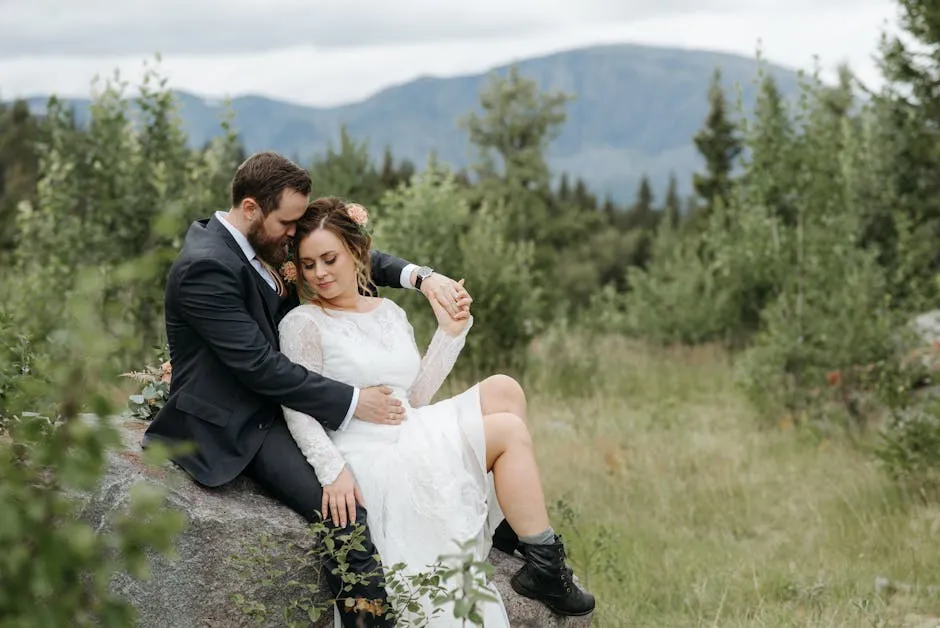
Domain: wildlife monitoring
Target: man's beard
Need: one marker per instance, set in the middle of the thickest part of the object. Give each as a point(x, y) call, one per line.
point(270, 250)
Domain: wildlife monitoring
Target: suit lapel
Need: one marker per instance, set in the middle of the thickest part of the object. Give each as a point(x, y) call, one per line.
point(268, 296)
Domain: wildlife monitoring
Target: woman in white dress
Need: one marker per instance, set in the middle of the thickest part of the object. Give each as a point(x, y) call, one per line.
point(433, 475)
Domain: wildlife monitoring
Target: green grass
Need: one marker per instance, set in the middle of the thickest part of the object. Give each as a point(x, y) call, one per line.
point(687, 513)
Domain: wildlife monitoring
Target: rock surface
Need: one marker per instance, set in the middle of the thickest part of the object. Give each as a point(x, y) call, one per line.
point(195, 590)
point(927, 327)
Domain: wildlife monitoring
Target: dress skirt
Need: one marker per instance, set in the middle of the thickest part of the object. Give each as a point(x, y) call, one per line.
point(427, 491)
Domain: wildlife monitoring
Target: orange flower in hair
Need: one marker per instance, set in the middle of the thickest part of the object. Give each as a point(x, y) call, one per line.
point(358, 214)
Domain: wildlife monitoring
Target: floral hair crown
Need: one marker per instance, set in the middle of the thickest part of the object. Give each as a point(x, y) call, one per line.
point(356, 212)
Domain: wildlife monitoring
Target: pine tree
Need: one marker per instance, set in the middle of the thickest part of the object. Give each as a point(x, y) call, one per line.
point(671, 211)
point(564, 189)
point(910, 106)
point(609, 210)
point(19, 167)
point(406, 170)
point(512, 135)
point(347, 172)
point(641, 214)
point(719, 144)
point(582, 197)
point(770, 171)
point(389, 175)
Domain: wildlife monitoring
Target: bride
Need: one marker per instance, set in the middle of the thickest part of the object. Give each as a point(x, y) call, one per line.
point(437, 475)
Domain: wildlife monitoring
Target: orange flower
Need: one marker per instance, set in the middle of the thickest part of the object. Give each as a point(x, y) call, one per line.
point(358, 214)
point(166, 371)
point(833, 378)
point(373, 607)
point(289, 272)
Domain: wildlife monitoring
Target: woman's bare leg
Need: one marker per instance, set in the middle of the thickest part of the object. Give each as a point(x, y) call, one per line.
point(501, 393)
point(510, 457)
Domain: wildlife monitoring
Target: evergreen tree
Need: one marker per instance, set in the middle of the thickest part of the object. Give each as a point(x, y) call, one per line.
point(19, 167)
point(642, 215)
point(909, 109)
point(512, 135)
point(609, 210)
point(770, 170)
point(564, 189)
point(391, 176)
point(641, 221)
point(582, 198)
point(388, 175)
point(347, 172)
point(462, 177)
point(719, 144)
point(671, 210)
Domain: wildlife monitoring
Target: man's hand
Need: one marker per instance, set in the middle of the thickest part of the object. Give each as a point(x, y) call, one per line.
point(340, 498)
point(449, 294)
point(376, 405)
point(450, 325)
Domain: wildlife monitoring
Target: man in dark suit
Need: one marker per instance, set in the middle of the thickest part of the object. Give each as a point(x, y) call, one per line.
point(223, 303)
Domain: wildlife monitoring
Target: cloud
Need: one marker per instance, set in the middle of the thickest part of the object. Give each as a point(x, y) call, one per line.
point(323, 75)
point(104, 27)
point(178, 27)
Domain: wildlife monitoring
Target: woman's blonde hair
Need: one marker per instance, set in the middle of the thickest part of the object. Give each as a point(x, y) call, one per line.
point(332, 213)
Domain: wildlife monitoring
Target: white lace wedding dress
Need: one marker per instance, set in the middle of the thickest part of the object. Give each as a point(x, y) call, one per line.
point(424, 482)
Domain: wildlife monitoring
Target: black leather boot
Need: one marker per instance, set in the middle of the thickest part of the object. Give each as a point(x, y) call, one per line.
point(505, 538)
point(547, 578)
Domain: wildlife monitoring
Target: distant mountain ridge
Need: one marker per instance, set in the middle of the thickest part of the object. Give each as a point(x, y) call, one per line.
point(636, 110)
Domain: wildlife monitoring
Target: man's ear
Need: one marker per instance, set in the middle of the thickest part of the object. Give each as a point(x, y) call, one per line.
point(250, 208)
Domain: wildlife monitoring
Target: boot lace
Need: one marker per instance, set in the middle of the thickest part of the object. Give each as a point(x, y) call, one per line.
point(565, 569)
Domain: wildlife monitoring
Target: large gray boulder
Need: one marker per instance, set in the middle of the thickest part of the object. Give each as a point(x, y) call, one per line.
point(196, 589)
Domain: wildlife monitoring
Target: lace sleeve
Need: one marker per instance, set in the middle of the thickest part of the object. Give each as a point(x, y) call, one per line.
point(300, 342)
point(436, 364)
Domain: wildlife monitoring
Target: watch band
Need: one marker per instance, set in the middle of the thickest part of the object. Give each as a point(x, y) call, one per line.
point(423, 272)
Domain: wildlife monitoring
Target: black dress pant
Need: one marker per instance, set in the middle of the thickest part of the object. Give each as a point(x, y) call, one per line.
point(280, 468)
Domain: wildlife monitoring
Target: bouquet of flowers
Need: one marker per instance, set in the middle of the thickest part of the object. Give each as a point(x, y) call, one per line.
point(156, 380)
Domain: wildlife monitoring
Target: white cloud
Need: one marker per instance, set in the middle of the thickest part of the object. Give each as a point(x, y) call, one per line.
point(293, 68)
point(93, 27)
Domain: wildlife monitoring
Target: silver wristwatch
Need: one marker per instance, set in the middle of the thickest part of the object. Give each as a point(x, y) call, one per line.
point(423, 273)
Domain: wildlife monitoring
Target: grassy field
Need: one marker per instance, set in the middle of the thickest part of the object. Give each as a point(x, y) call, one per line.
point(681, 511)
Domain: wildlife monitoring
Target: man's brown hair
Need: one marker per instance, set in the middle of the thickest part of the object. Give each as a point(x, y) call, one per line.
point(264, 177)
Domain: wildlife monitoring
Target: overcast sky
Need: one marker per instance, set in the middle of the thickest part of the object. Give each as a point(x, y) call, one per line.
point(326, 52)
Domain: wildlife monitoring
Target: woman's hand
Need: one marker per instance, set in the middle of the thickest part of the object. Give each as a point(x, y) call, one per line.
point(449, 294)
point(450, 325)
point(340, 498)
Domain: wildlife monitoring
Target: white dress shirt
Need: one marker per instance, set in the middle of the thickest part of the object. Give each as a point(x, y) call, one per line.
point(249, 252)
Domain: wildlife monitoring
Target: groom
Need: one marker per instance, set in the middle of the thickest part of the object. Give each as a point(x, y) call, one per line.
point(223, 303)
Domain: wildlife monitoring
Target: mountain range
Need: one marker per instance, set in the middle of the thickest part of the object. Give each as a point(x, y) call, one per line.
point(635, 111)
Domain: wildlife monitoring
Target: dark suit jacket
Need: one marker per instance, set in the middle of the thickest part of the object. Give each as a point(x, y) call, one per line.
point(229, 377)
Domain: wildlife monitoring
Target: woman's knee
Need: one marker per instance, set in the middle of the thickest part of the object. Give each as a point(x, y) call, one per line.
point(504, 394)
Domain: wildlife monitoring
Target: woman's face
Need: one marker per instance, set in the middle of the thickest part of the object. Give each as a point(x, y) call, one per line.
point(327, 265)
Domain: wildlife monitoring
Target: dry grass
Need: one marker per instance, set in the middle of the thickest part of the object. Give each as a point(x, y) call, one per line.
point(708, 519)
